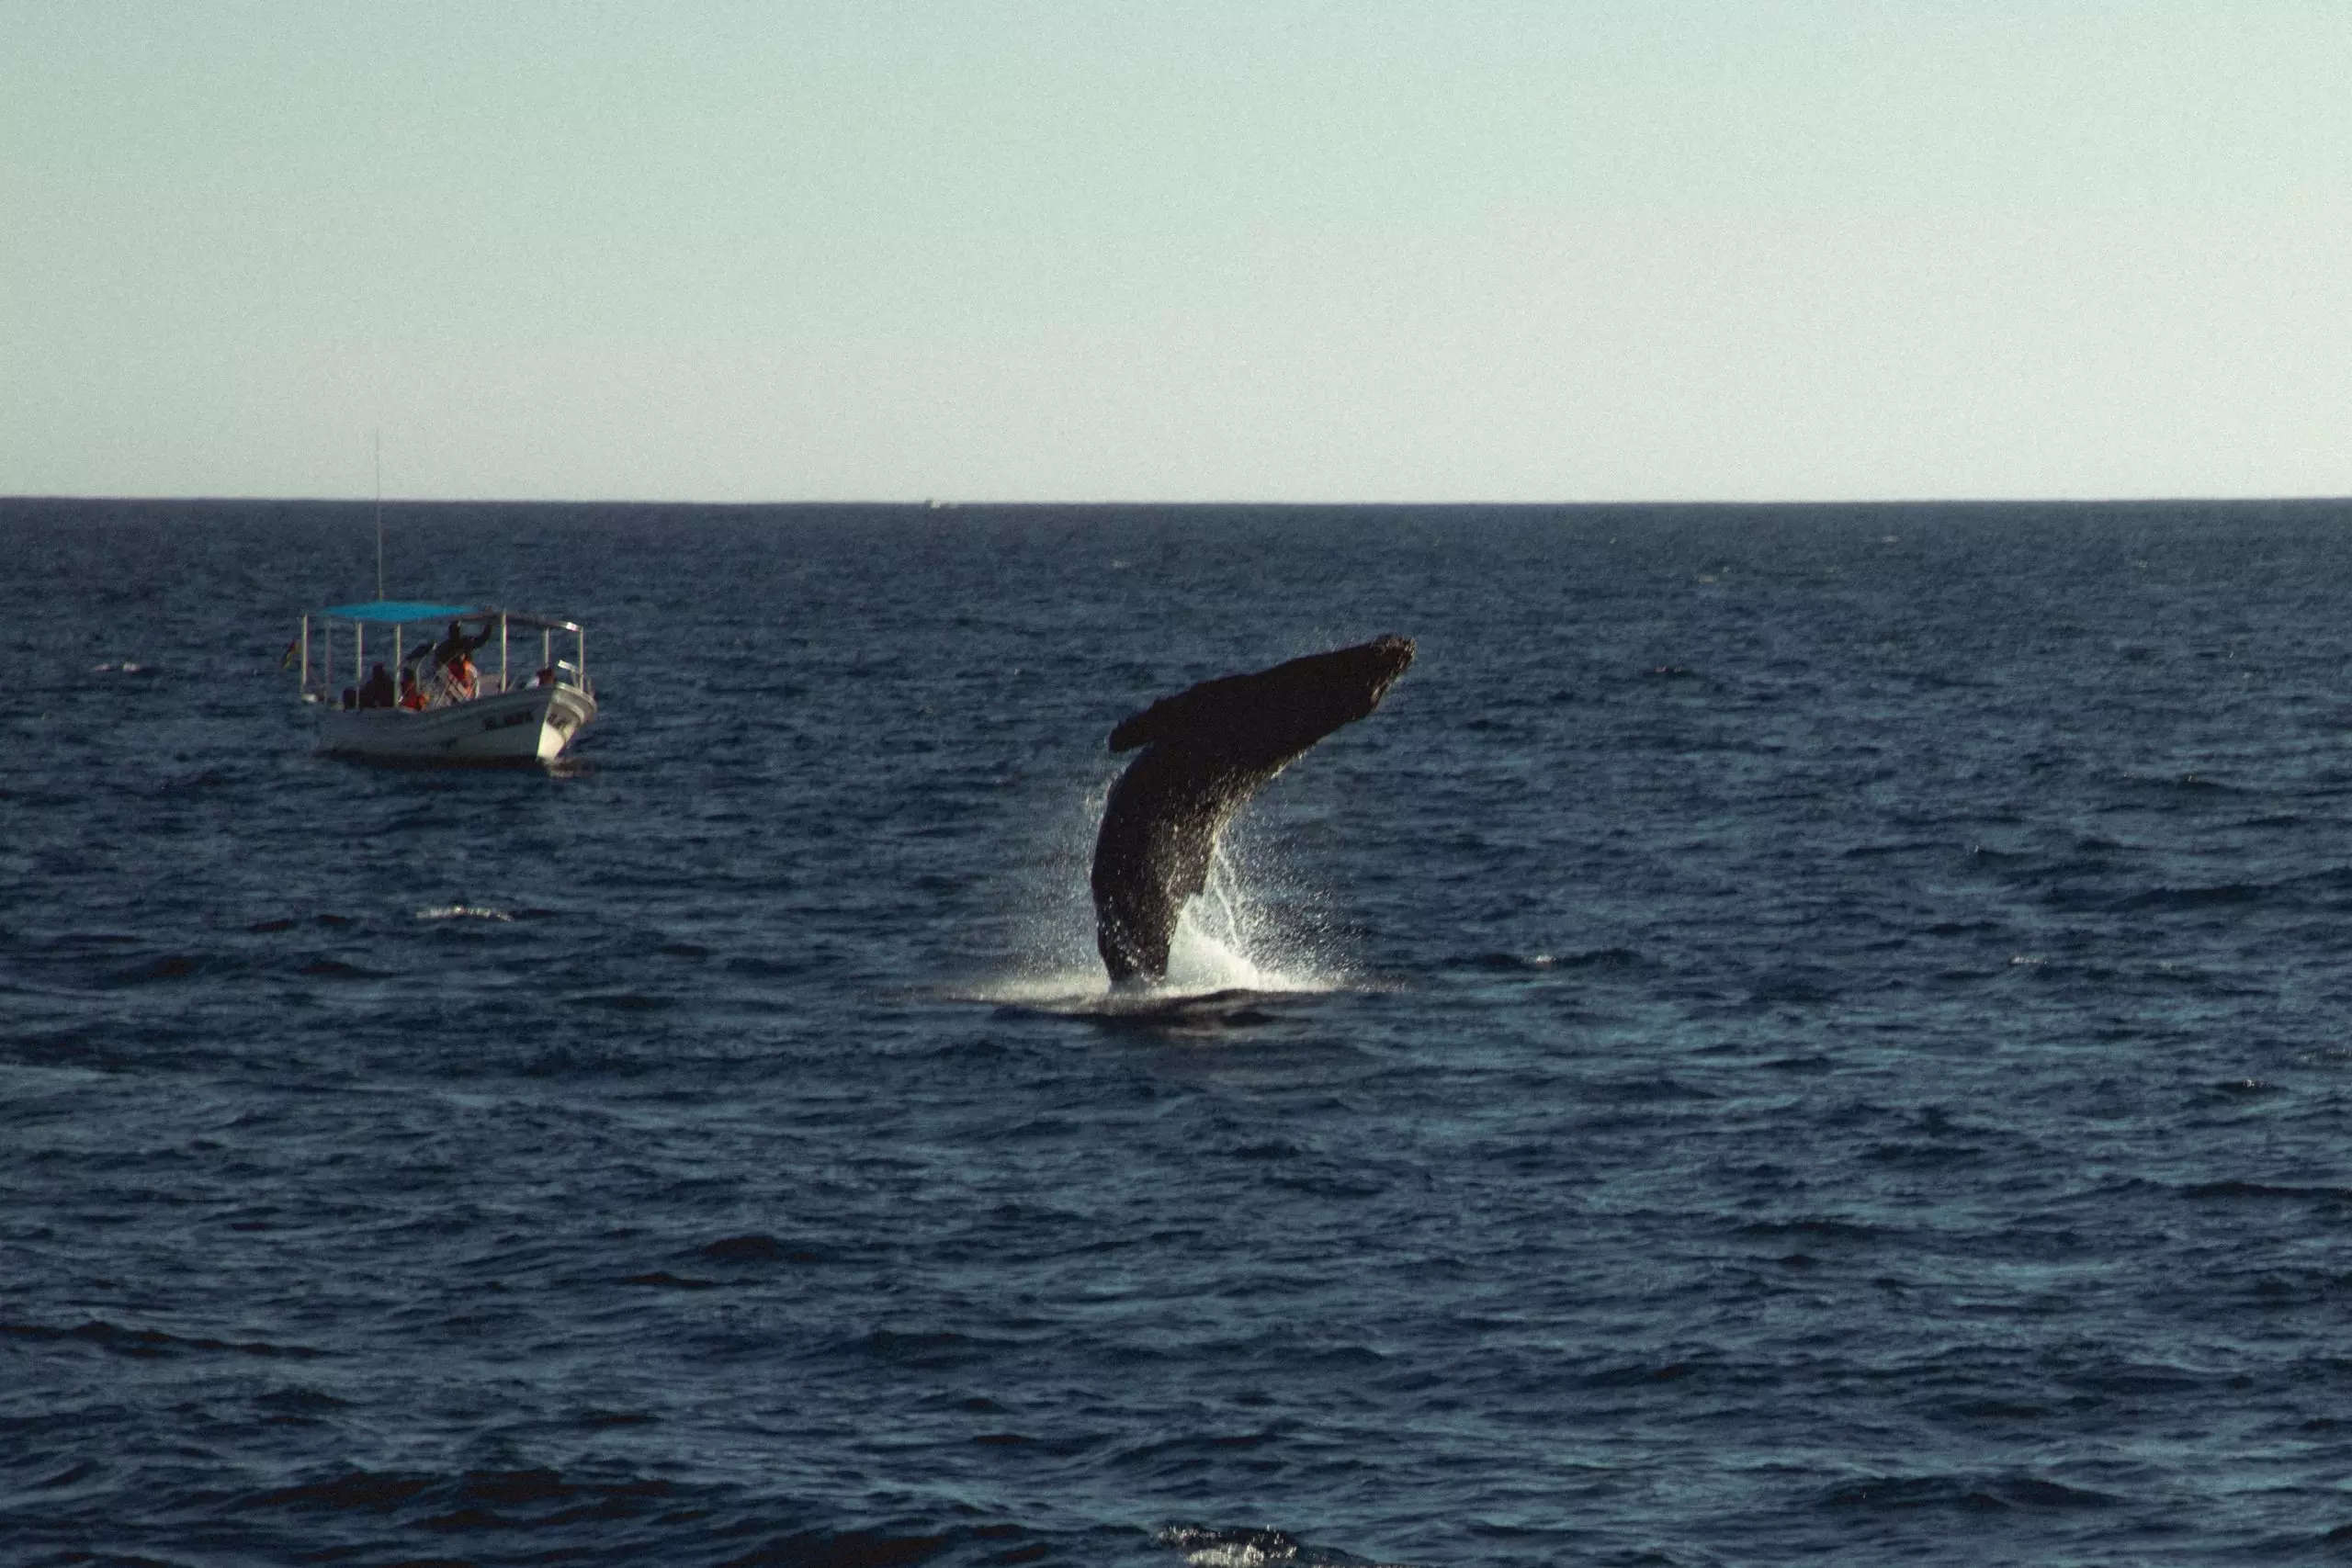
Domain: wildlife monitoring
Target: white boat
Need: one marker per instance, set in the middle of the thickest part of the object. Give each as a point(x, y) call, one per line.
point(454, 714)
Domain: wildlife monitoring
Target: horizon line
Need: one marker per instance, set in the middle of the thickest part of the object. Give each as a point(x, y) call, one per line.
point(942, 503)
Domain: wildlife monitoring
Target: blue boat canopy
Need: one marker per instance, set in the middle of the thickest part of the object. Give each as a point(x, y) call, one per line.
point(396, 611)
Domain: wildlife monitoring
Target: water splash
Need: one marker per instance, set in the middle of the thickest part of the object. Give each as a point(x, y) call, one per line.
point(1228, 940)
point(1225, 941)
point(1206, 1546)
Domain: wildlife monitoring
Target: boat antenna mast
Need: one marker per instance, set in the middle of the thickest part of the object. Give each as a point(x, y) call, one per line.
point(379, 514)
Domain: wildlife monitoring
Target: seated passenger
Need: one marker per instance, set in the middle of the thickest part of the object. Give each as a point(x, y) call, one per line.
point(411, 694)
point(546, 676)
point(351, 696)
point(459, 674)
point(378, 692)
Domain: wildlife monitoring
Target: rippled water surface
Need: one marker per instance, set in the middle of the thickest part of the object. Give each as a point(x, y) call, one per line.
point(1794, 1035)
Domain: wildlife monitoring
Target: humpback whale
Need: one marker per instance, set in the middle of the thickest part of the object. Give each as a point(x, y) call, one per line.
point(1205, 750)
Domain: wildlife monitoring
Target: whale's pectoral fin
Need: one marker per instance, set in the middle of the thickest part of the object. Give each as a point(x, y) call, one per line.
point(1188, 712)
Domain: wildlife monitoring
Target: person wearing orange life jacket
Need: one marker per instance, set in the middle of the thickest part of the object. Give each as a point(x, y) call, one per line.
point(453, 657)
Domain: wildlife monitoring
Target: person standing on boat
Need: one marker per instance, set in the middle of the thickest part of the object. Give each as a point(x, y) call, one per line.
point(457, 645)
point(453, 656)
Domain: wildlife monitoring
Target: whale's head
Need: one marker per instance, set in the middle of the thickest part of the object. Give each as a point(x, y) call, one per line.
point(1383, 660)
point(1293, 706)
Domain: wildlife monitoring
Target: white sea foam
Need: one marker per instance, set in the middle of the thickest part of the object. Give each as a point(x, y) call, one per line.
point(462, 912)
point(1227, 940)
point(1224, 941)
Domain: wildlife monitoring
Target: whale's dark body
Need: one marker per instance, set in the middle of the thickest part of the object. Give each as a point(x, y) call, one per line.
point(1205, 750)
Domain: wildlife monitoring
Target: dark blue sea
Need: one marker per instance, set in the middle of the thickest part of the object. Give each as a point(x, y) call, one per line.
point(1809, 1034)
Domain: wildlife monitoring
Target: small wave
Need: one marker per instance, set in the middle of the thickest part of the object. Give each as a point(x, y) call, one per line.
point(855, 1549)
point(516, 1512)
point(301, 1401)
point(1890, 847)
point(1790, 988)
point(358, 1489)
point(464, 1496)
point(1506, 962)
point(80, 941)
point(929, 1350)
point(1923, 1156)
point(1998, 1494)
point(144, 1342)
point(759, 1250)
point(2268, 1189)
point(171, 966)
point(1811, 1063)
point(1645, 1088)
point(619, 1001)
point(1639, 1374)
point(1823, 1229)
point(463, 912)
point(335, 969)
point(1989, 1408)
point(767, 968)
point(2132, 1380)
point(2193, 897)
point(1539, 963)
point(582, 1061)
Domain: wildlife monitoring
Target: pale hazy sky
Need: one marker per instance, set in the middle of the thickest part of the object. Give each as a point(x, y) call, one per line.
point(1181, 251)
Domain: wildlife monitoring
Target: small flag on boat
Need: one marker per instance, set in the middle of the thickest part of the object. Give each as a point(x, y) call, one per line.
point(286, 659)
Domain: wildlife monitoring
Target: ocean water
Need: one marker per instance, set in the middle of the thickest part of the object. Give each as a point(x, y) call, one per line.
point(1795, 1035)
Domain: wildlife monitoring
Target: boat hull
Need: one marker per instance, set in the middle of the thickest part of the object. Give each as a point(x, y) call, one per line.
point(528, 724)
